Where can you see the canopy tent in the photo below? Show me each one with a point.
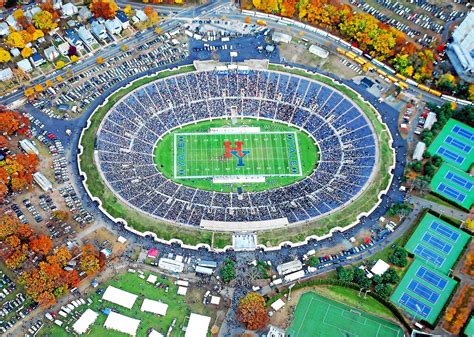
(197, 326)
(380, 267)
(122, 323)
(120, 297)
(155, 333)
(85, 321)
(278, 304)
(154, 307)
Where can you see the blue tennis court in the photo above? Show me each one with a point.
(437, 243)
(463, 132)
(455, 194)
(458, 144)
(431, 278)
(415, 305)
(423, 291)
(450, 155)
(444, 231)
(429, 255)
(459, 180)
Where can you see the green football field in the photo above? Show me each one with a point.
(318, 316)
(262, 154)
(195, 155)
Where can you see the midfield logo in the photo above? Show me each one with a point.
(236, 151)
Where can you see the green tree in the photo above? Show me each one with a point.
(437, 160)
(228, 270)
(383, 290)
(390, 276)
(345, 274)
(399, 257)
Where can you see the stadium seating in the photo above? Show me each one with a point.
(130, 130)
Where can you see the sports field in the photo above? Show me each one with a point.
(318, 316)
(250, 154)
(262, 154)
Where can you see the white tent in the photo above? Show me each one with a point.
(380, 267)
(197, 326)
(215, 300)
(182, 291)
(122, 323)
(121, 239)
(85, 321)
(120, 297)
(152, 279)
(419, 150)
(278, 304)
(155, 333)
(154, 307)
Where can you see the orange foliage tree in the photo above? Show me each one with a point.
(41, 244)
(104, 9)
(252, 312)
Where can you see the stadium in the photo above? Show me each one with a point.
(234, 149)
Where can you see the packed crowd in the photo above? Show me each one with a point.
(131, 129)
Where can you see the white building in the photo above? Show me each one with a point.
(6, 74)
(69, 9)
(198, 325)
(86, 36)
(171, 265)
(28, 147)
(98, 30)
(25, 65)
(51, 53)
(318, 51)
(461, 50)
(113, 26)
(84, 13)
(419, 150)
(140, 16)
(430, 120)
(63, 48)
(42, 181)
(289, 267)
(281, 37)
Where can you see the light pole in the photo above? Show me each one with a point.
(289, 293)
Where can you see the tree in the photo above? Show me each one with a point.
(99, 60)
(471, 92)
(127, 10)
(383, 290)
(59, 78)
(390, 276)
(89, 260)
(247, 20)
(124, 47)
(29, 92)
(26, 52)
(345, 274)
(228, 270)
(399, 257)
(60, 215)
(104, 9)
(74, 58)
(5, 55)
(60, 64)
(44, 20)
(41, 244)
(48, 83)
(447, 82)
(38, 88)
(16, 39)
(252, 312)
(8, 225)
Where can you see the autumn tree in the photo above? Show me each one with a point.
(41, 244)
(16, 39)
(44, 20)
(252, 312)
(5, 55)
(8, 224)
(104, 9)
(26, 52)
(89, 260)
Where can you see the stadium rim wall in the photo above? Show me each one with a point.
(259, 246)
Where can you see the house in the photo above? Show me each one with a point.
(4, 30)
(84, 14)
(73, 38)
(113, 26)
(12, 22)
(98, 30)
(15, 52)
(32, 11)
(140, 15)
(69, 9)
(86, 36)
(51, 53)
(36, 59)
(57, 4)
(25, 65)
(123, 19)
(63, 48)
(6, 74)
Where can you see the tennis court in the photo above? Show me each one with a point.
(454, 185)
(455, 144)
(317, 316)
(437, 242)
(422, 292)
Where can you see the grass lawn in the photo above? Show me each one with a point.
(177, 308)
(319, 316)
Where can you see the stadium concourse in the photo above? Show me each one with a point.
(130, 130)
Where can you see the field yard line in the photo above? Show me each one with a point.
(298, 153)
(378, 330)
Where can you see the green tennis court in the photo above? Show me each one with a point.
(317, 316)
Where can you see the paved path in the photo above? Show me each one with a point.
(441, 209)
